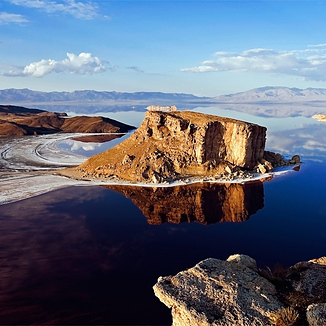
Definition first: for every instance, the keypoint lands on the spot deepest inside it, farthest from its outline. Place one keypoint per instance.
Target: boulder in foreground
(235, 292)
(219, 293)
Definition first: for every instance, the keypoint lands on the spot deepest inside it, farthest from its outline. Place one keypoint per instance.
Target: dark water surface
(90, 255)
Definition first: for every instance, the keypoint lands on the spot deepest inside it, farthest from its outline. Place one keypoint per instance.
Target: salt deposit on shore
(29, 166)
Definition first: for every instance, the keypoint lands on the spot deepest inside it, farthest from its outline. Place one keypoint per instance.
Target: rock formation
(203, 203)
(219, 293)
(235, 292)
(162, 108)
(320, 117)
(170, 145)
(17, 121)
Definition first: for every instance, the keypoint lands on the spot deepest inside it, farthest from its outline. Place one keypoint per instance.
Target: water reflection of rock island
(204, 203)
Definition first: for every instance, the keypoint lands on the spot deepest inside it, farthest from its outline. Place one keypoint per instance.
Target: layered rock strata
(205, 203)
(235, 292)
(170, 145)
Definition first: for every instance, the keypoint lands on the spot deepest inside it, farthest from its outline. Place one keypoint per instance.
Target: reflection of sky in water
(89, 148)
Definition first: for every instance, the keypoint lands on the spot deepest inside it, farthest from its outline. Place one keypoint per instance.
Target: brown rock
(174, 144)
(295, 159)
(219, 293)
(316, 314)
(309, 278)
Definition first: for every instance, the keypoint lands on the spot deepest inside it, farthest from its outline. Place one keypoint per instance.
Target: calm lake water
(90, 255)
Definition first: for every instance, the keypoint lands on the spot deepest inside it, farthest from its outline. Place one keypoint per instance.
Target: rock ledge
(235, 292)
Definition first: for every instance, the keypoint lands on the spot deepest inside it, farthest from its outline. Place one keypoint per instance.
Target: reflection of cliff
(203, 203)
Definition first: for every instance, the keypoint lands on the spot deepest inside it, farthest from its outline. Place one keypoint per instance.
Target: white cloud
(78, 9)
(309, 63)
(7, 18)
(84, 63)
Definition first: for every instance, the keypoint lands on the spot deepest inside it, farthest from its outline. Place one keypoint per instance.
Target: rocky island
(174, 145)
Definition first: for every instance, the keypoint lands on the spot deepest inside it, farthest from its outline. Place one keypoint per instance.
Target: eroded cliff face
(203, 203)
(168, 145)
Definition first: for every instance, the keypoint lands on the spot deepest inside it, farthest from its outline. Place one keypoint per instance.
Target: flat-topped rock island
(177, 145)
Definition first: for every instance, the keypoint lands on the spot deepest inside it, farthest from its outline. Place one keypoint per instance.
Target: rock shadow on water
(205, 203)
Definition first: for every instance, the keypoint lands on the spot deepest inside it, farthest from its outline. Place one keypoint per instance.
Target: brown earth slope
(168, 145)
(17, 121)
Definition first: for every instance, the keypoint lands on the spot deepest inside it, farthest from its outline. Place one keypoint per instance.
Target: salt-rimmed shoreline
(31, 167)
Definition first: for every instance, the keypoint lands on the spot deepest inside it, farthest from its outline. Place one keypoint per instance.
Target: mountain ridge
(274, 94)
(27, 95)
(266, 94)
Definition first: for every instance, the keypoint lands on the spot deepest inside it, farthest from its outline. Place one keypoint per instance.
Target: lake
(90, 255)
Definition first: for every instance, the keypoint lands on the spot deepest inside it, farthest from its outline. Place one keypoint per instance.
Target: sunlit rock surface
(168, 145)
(320, 117)
(203, 203)
(235, 292)
(219, 293)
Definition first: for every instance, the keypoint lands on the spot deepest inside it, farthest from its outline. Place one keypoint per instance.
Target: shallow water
(90, 255)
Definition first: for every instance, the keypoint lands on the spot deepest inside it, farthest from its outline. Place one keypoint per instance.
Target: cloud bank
(78, 9)
(7, 18)
(84, 63)
(309, 63)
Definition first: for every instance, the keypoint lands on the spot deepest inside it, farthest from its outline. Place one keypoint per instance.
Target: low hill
(18, 110)
(17, 121)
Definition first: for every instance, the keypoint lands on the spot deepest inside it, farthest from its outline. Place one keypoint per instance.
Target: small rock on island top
(175, 145)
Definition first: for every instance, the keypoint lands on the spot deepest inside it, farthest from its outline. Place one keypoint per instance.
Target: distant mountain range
(9, 96)
(257, 95)
(275, 95)
(265, 101)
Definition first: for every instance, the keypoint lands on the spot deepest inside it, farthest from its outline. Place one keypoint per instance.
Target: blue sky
(205, 48)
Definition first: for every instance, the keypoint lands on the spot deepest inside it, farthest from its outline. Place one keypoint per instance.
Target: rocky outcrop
(203, 203)
(235, 292)
(219, 293)
(320, 117)
(22, 121)
(309, 278)
(162, 108)
(170, 145)
(316, 314)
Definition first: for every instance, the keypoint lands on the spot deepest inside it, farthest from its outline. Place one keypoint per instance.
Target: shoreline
(34, 166)
(35, 183)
